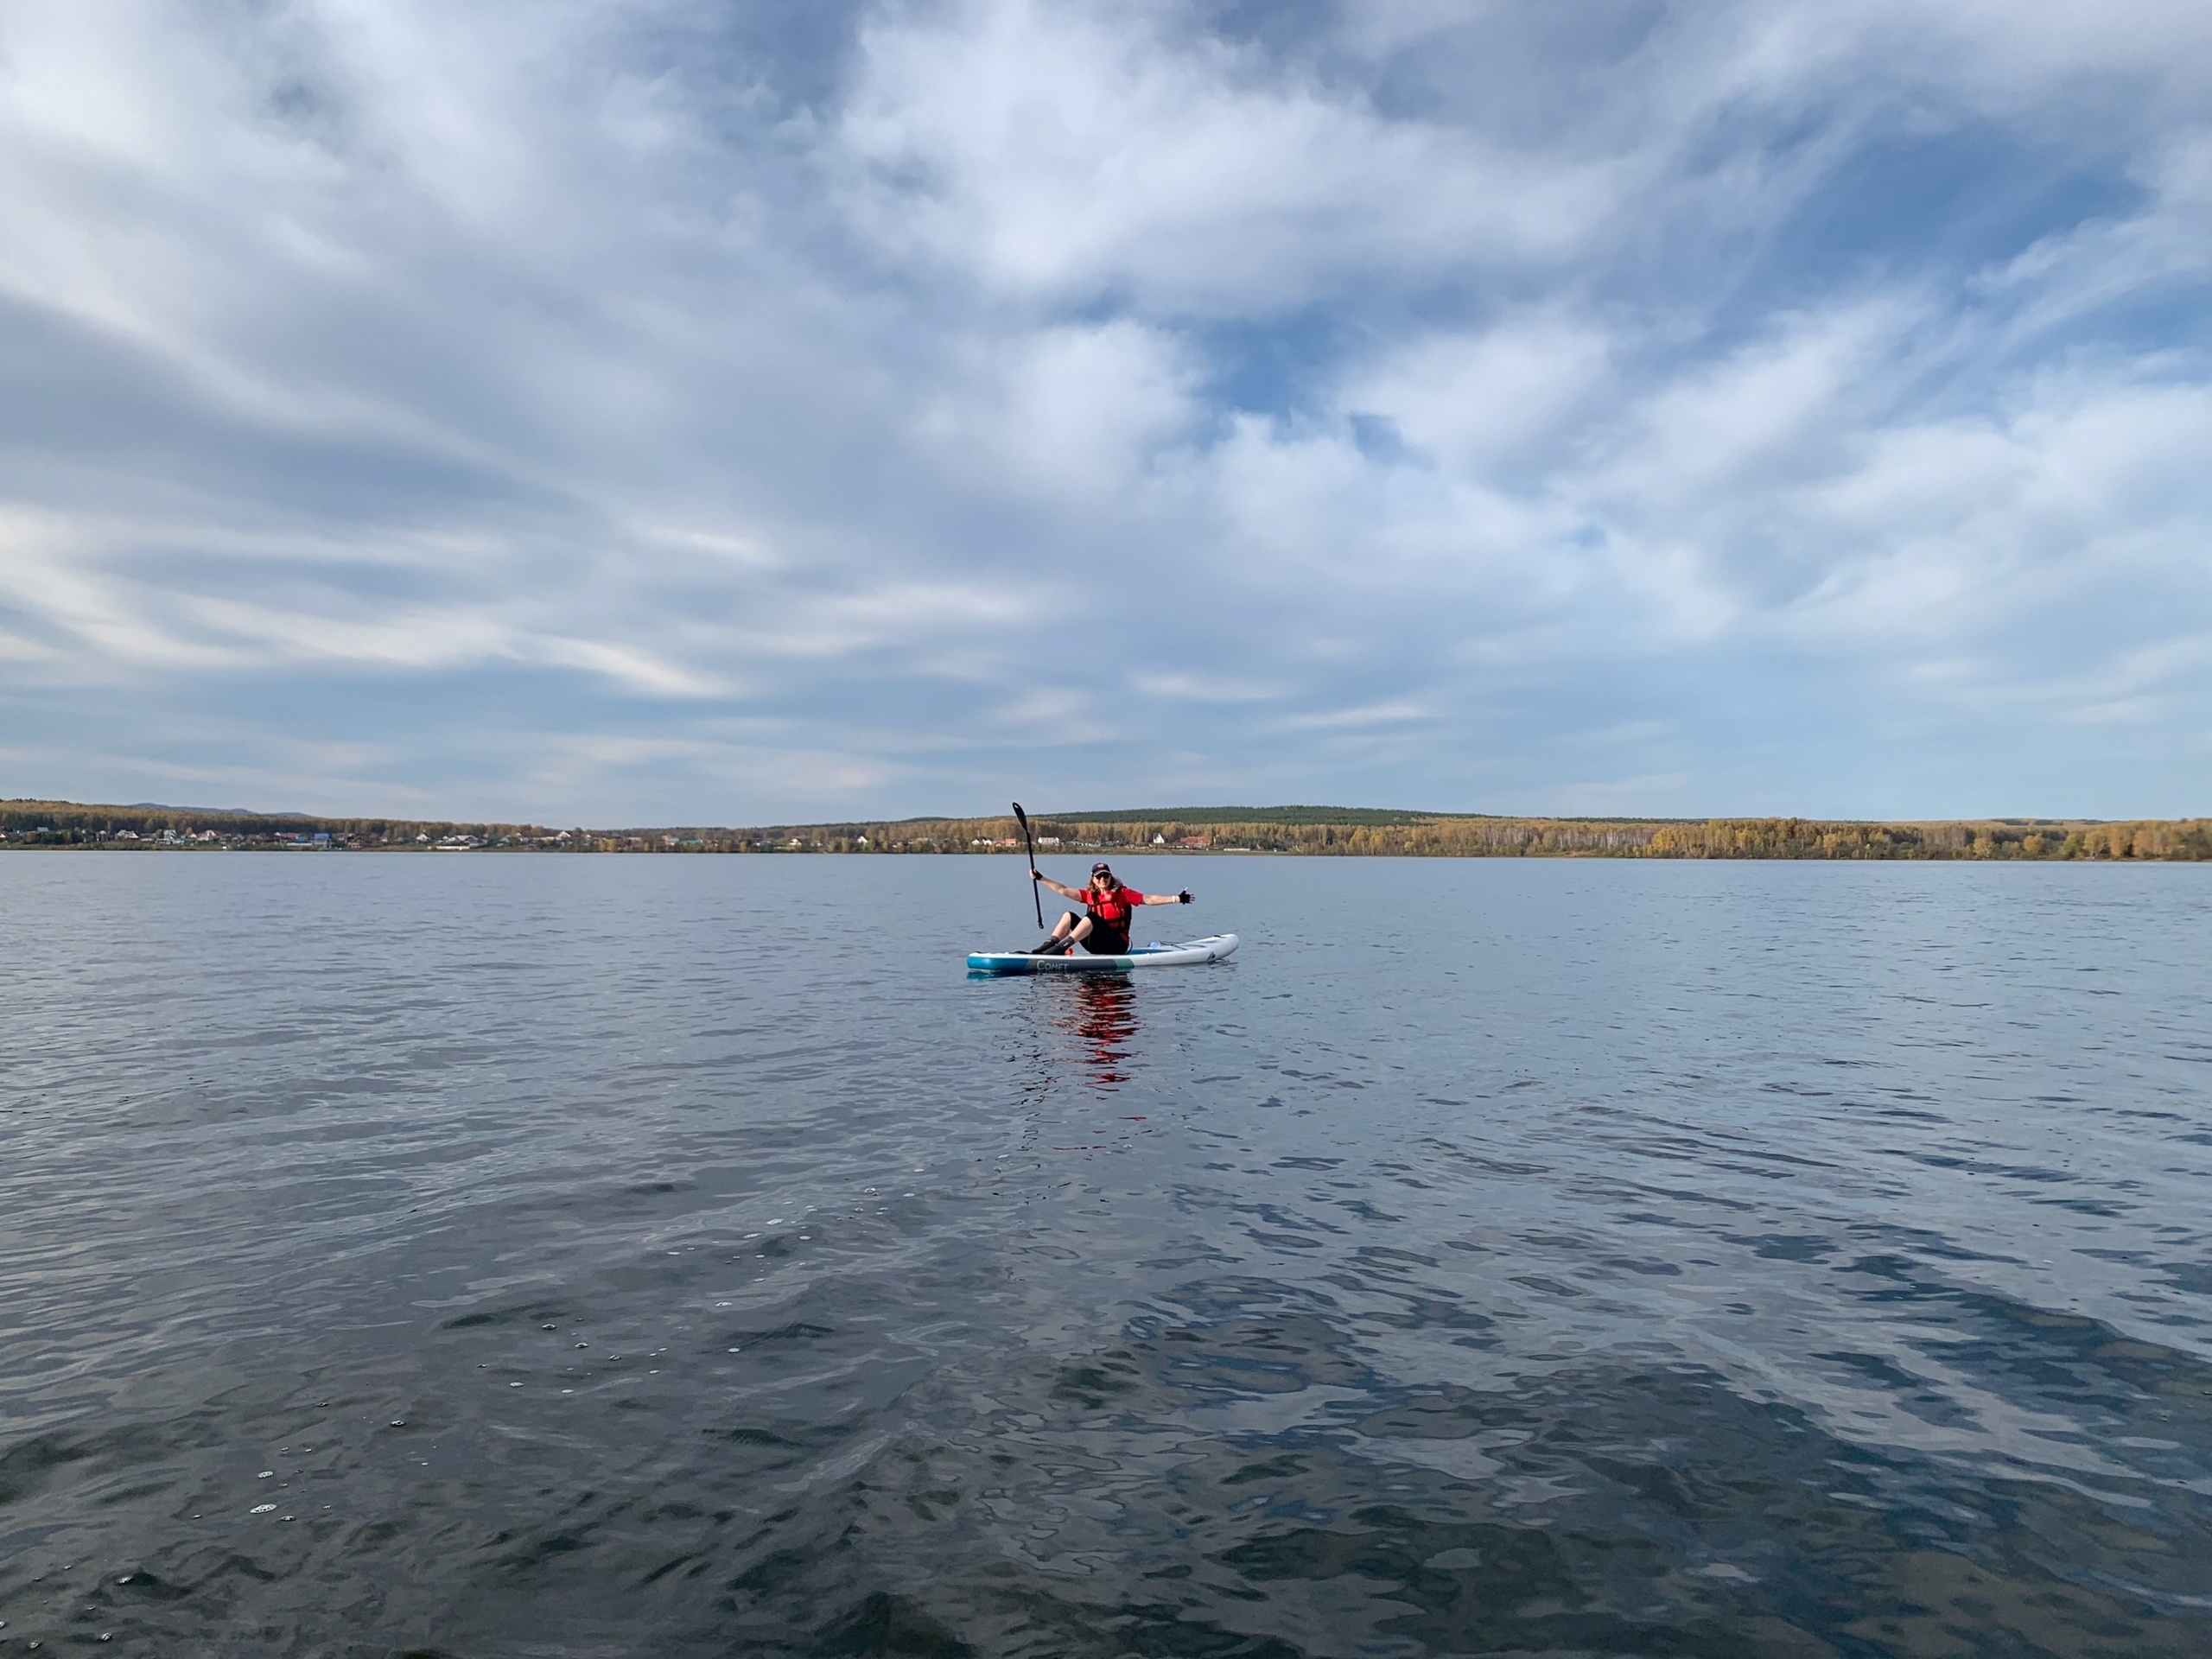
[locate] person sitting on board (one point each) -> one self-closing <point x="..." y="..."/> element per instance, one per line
<point x="1103" y="929"/>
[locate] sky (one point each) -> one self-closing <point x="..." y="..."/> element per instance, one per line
<point x="677" y="412"/>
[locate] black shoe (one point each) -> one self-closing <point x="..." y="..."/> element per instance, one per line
<point x="1050" y="948"/>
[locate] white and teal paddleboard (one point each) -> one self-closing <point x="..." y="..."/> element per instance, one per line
<point x="1190" y="954"/>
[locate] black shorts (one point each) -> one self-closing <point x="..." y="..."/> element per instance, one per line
<point x="1107" y="939"/>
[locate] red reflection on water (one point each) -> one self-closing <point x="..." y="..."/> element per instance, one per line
<point x="1105" y="1020"/>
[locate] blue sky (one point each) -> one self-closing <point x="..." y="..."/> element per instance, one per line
<point x="683" y="412"/>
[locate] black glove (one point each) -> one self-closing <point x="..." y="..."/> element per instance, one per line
<point x="1036" y="875"/>
<point x="1184" y="897"/>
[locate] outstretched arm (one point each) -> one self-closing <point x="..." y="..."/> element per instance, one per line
<point x="1065" y="893"/>
<point x="1182" y="898"/>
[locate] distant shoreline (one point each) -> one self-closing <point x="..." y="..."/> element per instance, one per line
<point x="1312" y="832"/>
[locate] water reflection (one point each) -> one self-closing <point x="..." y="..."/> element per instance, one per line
<point x="1101" y="1012"/>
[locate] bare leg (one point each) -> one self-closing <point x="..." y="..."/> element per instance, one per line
<point x="1066" y="932"/>
<point x="1069" y="931"/>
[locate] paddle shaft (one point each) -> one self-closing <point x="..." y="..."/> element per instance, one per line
<point x="1036" y="898"/>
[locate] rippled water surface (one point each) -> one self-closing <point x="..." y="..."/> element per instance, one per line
<point x="500" y="1255"/>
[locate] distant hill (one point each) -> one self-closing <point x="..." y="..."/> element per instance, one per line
<point x="1393" y="833"/>
<point x="210" y="811"/>
<point x="1204" y="815"/>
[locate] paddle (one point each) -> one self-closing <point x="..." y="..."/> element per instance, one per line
<point x="1022" y="818"/>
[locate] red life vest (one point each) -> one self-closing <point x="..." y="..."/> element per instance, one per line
<point x="1109" y="909"/>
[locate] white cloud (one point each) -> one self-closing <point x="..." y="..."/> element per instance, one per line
<point x="1070" y="412"/>
<point x="1057" y="152"/>
<point x="1373" y="714"/>
<point x="1362" y="405"/>
<point x="1183" y="686"/>
<point x="1478" y="401"/>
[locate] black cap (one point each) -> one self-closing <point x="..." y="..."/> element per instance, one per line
<point x="1100" y="870"/>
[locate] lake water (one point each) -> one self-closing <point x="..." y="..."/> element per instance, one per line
<point x="488" y="1256"/>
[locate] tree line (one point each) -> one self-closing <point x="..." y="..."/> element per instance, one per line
<point x="1452" y="836"/>
<point x="1313" y="830"/>
<point x="74" y="823"/>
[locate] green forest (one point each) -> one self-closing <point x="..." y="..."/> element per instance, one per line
<point x="1331" y="831"/>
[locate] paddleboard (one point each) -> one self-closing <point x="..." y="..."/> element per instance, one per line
<point x="1190" y="954"/>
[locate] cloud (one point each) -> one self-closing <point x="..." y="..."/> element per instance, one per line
<point x="1073" y="414"/>
<point x="1478" y="401"/>
<point x="646" y="410"/>
<point x="1058" y="153"/>
<point x="1365" y="719"/>
<point x="1182" y="686"/>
